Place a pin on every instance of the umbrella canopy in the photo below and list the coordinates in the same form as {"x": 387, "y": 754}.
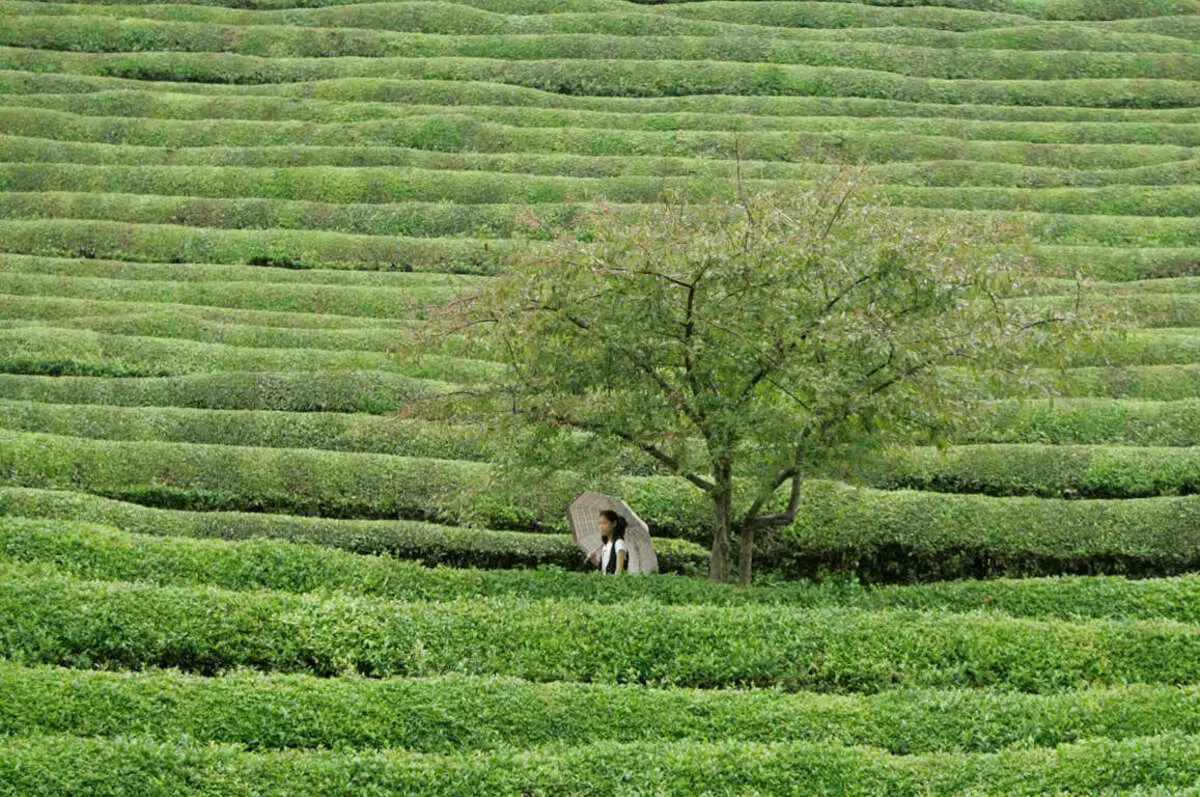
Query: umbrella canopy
{"x": 585, "y": 511}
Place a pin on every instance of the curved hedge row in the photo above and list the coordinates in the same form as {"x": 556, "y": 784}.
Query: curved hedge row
{"x": 1054, "y": 471}
{"x": 371, "y": 302}
{"x": 460, "y": 132}
{"x": 927, "y": 25}
{"x": 1054, "y": 468}
{"x": 614, "y": 77}
{"x": 298, "y": 249}
{"x": 50, "y": 619}
{"x": 903, "y": 535}
{"x": 936, "y": 172}
{"x": 1083, "y": 421}
{"x": 21, "y": 310}
{"x": 380, "y": 283}
{"x": 993, "y": 10}
{"x": 163, "y": 323}
{"x": 305, "y": 249}
{"x": 1159, "y": 346}
{"x": 1100, "y": 10}
{"x": 98, "y": 34}
{"x": 426, "y": 543}
{"x": 1150, "y": 382}
{"x": 54, "y": 765}
{"x": 470, "y": 92}
{"x": 294, "y": 391}
{"x": 330, "y": 431}
{"x": 453, "y": 714}
{"x": 434, "y": 220}
{"x": 57, "y": 350}
{"x": 91, "y": 551}
{"x": 357, "y": 118}
{"x": 392, "y": 186}
{"x": 880, "y": 535}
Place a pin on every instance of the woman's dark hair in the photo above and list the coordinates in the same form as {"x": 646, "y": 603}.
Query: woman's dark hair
{"x": 619, "y": 523}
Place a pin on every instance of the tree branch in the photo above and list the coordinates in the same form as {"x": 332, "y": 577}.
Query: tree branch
{"x": 654, "y": 451}
{"x": 680, "y": 402}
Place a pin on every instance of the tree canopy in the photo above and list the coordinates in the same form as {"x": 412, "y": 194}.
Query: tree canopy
{"x": 744, "y": 344}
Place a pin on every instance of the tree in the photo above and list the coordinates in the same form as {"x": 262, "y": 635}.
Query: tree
{"x": 744, "y": 344}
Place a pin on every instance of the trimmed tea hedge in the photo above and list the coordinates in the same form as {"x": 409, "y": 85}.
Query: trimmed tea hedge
{"x": 1032, "y": 469}
{"x": 629, "y": 78}
{"x": 1082, "y": 421}
{"x": 370, "y": 288}
{"x": 395, "y": 185}
{"x": 471, "y": 92}
{"x": 98, "y": 34}
{"x": 905, "y": 535}
{"x": 453, "y": 714}
{"x": 422, "y": 542}
{"x": 295, "y": 391}
{"x": 49, "y": 619}
{"x": 299, "y": 249}
{"x": 880, "y": 535}
{"x": 53, "y": 765}
{"x": 933, "y": 172}
{"x": 80, "y": 313}
{"x": 88, "y": 550}
{"x": 458, "y": 132}
{"x": 77, "y": 352}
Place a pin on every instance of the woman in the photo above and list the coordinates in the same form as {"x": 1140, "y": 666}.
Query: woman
{"x": 615, "y": 554}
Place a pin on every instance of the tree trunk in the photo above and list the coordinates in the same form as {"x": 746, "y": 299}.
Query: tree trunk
{"x": 746, "y": 555}
{"x": 718, "y": 566}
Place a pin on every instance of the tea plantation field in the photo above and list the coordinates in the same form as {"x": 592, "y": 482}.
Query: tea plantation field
{"x": 232, "y": 563}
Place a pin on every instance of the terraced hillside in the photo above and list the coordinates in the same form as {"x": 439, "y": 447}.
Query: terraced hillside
{"x": 216, "y": 517}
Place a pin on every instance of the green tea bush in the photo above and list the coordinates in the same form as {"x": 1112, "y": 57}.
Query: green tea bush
{"x": 464, "y": 132}
{"x": 1032, "y": 469}
{"x": 102, "y": 34}
{"x": 297, "y": 249}
{"x": 613, "y": 77}
{"x": 933, "y": 172}
{"x": 1085, "y": 421}
{"x": 50, "y": 350}
{"x": 51, "y": 765}
{"x": 426, "y": 543}
{"x": 92, "y": 551}
{"x": 294, "y": 391}
{"x": 879, "y": 535}
{"x": 50, "y": 619}
{"x": 453, "y": 714}
{"x": 391, "y": 186}
{"x": 902, "y": 535}
{"x": 387, "y": 285}
{"x": 403, "y": 91}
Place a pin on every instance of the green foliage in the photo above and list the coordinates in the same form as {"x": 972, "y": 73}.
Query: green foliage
{"x": 218, "y": 223}
{"x": 1029, "y": 469}
{"x": 57, "y": 350}
{"x": 422, "y": 542}
{"x": 50, "y": 619}
{"x": 1056, "y": 145}
{"x": 1086, "y": 421}
{"x": 891, "y": 536}
{"x": 453, "y": 714}
{"x": 101, "y": 34}
{"x": 614, "y": 77}
{"x": 294, "y": 391}
{"x": 91, "y": 551}
{"x": 52, "y": 765}
{"x": 297, "y": 249}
